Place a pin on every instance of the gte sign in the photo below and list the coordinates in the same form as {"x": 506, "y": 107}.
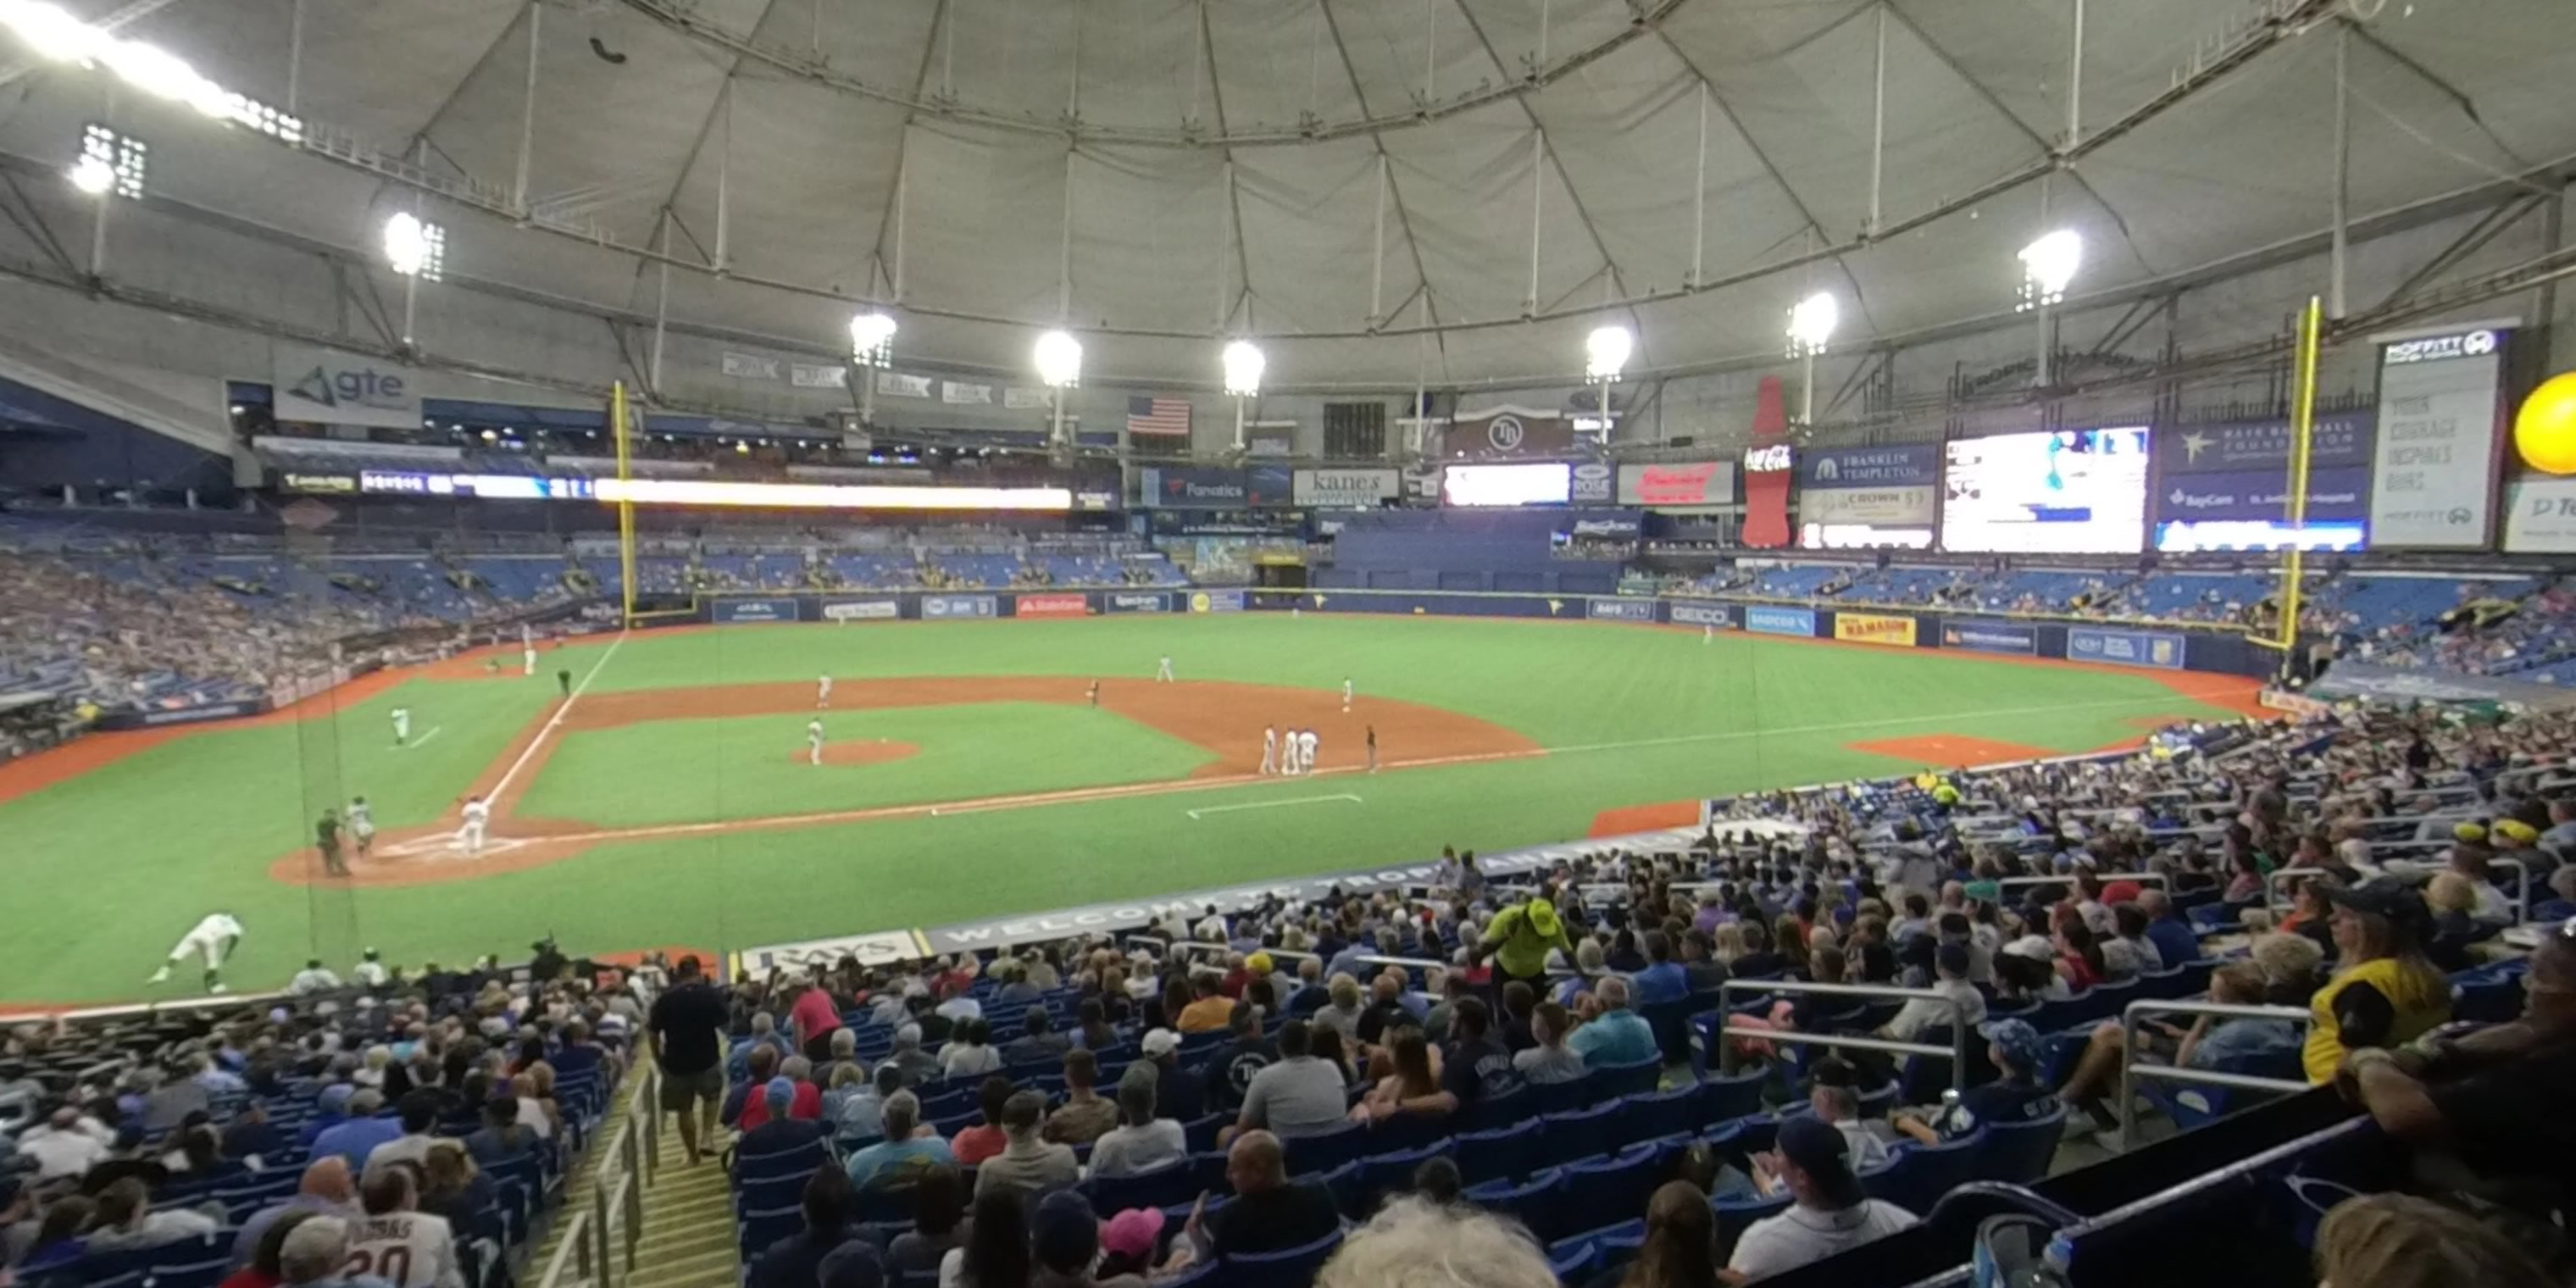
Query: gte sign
{"x": 319, "y": 385}
{"x": 358, "y": 387}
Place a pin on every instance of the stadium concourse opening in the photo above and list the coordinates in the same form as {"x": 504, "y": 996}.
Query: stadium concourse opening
{"x": 1206, "y": 714}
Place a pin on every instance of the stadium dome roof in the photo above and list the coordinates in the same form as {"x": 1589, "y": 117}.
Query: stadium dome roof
{"x": 1375, "y": 188}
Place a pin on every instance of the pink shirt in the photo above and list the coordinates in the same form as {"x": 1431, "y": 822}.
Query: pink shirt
{"x": 814, "y": 1014}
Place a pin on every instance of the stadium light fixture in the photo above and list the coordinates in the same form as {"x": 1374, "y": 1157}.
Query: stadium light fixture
{"x": 872, "y": 338}
{"x": 1059, "y": 359}
{"x": 1605, "y": 352}
{"x": 414, "y": 247}
{"x": 1243, "y": 367}
{"x": 1811, "y": 325}
{"x": 2048, "y": 267}
{"x": 55, "y": 35}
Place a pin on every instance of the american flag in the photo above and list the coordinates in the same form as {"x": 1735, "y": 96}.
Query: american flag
{"x": 1158, "y": 416}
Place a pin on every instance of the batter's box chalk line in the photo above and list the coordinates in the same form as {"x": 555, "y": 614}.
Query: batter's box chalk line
{"x": 445, "y": 848}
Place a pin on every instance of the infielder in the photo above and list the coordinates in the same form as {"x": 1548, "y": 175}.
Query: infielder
{"x": 214, "y": 937}
{"x": 823, "y": 693}
{"x": 402, "y": 725}
{"x": 478, "y": 816}
{"x": 362, "y": 824}
{"x": 1269, "y": 749}
{"x": 527, "y": 659}
{"x": 1372, "y": 749}
{"x": 1346, "y": 695}
{"x": 1163, "y": 673}
{"x": 814, "y": 740}
{"x": 1306, "y": 752}
{"x": 1095, "y": 695}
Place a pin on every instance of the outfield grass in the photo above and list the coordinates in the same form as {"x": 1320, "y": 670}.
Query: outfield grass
{"x": 112, "y": 866}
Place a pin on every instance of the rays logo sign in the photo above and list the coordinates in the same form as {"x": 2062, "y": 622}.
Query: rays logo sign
{"x": 322, "y": 387}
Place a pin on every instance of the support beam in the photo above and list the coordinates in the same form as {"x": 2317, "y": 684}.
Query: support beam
{"x": 890, "y": 218}
{"x": 2075, "y": 82}
{"x": 1377, "y": 250}
{"x": 295, "y": 60}
{"x": 527, "y": 103}
{"x": 2470, "y": 241}
{"x": 1538, "y": 215}
{"x": 1877, "y": 130}
{"x": 1064, "y": 250}
{"x": 724, "y": 180}
{"x": 1699, "y": 194}
{"x": 2341, "y": 187}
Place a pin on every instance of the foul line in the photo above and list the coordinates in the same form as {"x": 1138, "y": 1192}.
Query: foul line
{"x": 1088, "y": 795}
{"x": 424, "y": 738}
{"x": 556, "y": 721}
{"x": 1301, "y": 800}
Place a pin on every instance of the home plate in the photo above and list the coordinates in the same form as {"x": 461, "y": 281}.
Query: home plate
{"x": 1301, "y": 800}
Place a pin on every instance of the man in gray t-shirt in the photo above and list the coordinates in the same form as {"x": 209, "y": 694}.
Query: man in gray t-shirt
{"x": 1300, "y": 1095}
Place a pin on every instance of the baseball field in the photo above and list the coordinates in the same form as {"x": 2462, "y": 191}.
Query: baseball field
{"x": 672, "y": 802}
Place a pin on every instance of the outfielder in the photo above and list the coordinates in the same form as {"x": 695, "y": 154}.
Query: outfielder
{"x": 402, "y": 725}
{"x": 214, "y": 937}
{"x": 362, "y": 824}
{"x": 1269, "y": 749}
{"x": 478, "y": 816}
{"x": 1163, "y": 673}
{"x": 1346, "y": 695}
{"x": 1306, "y": 752}
{"x": 822, "y": 693}
{"x": 814, "y": 740}
{"x": 1372, "y": 749}
{"x": 527, "y": 659}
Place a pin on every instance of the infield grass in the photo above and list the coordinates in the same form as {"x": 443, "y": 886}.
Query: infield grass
{"x": 112, "y": 866}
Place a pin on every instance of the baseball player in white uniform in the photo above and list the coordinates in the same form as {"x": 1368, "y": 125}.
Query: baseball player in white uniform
{"x": 1163, "y": 673}
{"x": 527, "y": 659}
{"x": 1306, "y": 752}
{"x": 478, "y": 816}
{"x": 402, "y": 725}
{"x": 1346, "y": 695}
{"x": 362, "y": 824}
{"x": 1269, "y": 749}
{"x": 814, "y": 740}
{"x": 822, "y": 693}
{"x": 213, "y": 938}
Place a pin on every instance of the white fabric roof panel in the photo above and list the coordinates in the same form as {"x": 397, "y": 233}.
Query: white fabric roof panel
{"x": 968, "y": 100}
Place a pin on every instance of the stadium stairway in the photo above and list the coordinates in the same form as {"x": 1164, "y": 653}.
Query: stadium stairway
{"x": 687, "y": 1237}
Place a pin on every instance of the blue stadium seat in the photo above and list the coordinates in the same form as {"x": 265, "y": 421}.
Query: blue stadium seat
{"x": 1724, "y": 1097}
{"x": 1291, "y": 1268}
{"x": 1574, "y": 1260}
{"x": 1578, "y": 1133}
{"x": 1392, "y": 1173}
{"x": 1662, "y": 1113}
{"x": 2020, "y": 1152}
{"x": 759, "y": 1229}
{"x": 1923, "y": 1173}
{"x": 1520, "y": 1199}
{"x": 798, "y": 1162}
{"x": 1310, "y": 1155}
{"x": 1498, "y": 1111}
{"x": 1503, "y": 1154}
{"x": 1172, "y": 1183}
{"x": 1605, "y": 1190}
{"x": 1554, "y": 1097}
{"x": 1626, "y": 1079}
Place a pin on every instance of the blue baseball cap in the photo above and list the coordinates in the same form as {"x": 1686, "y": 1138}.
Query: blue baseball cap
{"x": 2018, "y": 1041}
{"x": 782, "y": 1091}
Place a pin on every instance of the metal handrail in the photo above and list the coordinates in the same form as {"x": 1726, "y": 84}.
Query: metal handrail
{"x": 2520, "y": 899}
{"x": 2068, "y": 879}
{"x": 2131, "y": 1070}
{"x": 1959, "y": 1028}
{"x": 575, "y": 1245}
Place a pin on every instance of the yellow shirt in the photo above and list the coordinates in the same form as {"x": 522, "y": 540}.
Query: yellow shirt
{"x": 1210, "y": 1014}
{"x": 2422, "y": 1003}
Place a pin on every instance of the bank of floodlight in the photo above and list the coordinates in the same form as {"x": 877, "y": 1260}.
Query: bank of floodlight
{"x": 1059, "y": 360}
{"x": 1811, "y": 324}
{"x": 55, "y": 35}
{"x": 1243, "y": 368}
{"x": 872, "y": 339}
{"x": 2048, "y": 267}
{"x": 414, "y": 247}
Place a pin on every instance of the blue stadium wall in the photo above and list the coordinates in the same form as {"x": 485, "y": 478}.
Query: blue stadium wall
{"x": 2146, "y": 648}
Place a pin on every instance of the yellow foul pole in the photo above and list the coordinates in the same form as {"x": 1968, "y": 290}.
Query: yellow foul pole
{"x": 2303, "y": 417}
{"x": 617, "y": 415}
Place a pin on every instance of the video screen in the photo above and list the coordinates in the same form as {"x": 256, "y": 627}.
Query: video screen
{"x": 1540, "y": 484}
{"x": 2075, "y": 491}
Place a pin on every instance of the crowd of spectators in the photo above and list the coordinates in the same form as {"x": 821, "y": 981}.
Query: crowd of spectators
{"x": 406, "y": 1129}
{"x": 1545, "y": 975}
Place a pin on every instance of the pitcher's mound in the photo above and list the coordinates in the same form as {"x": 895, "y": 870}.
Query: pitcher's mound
{"x": 865, "y": 752}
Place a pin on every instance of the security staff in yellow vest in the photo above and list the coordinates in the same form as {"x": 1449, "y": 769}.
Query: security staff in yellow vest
{"x": 2384, "y": 993}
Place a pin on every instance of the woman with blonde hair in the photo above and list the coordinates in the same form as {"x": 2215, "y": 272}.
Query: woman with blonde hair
{"x": 2401, "y": 1241}
{"x": 2385, "y": 992}
{"x": 1729, "y": 937}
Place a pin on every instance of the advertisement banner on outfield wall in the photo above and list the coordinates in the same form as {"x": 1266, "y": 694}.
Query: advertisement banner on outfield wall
{"x": 2126, "y": 648}
{"x": 1874, "y": 628}
{"x": 941, "y": 607}
{"x": 1680, "y": 485}
{"x": 1593, "y": 483}
{"x": 1880, "y": 507}
{"x": 1346, "y": 489}
{"x": 1990, "y": 637}
{"x": 1136, "y": 601}
{"x": 1862, "y": 468}
{"x": 2540, "y": 516}
{"x": 746, "y": 611}
{"x": 1703, "y": 615}
{"x": 1763, "y": 619}
{"x": 861, "y": 610}
{"x": 1051, "y": 606}
{"x": 1216, "y": 601}
{"x": 1172, "y": 487}
{"x": 320, "y": 386}
{"x": 158, "y": 717}
{"x": 1621, "y": 610}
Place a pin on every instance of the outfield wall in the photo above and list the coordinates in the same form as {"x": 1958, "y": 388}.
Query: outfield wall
{"x": 2169, "y": 647}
